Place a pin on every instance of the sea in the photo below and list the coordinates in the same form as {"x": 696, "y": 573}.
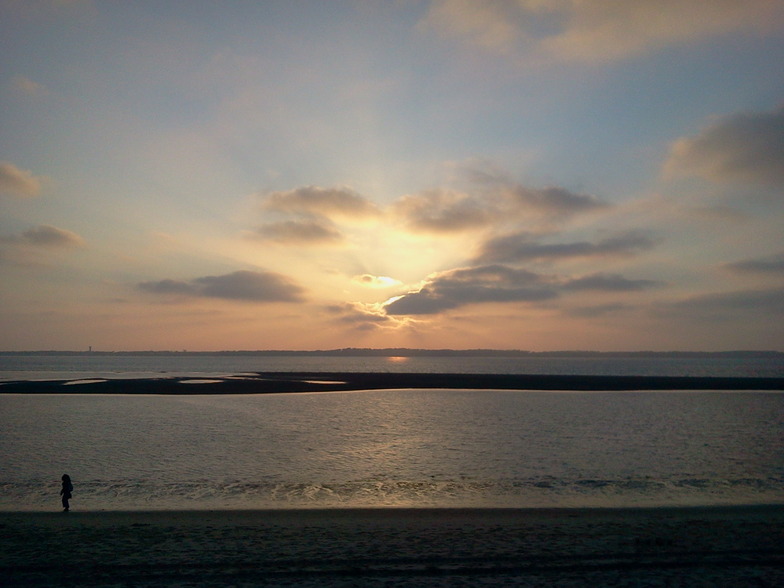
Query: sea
{"x": 389, "y": 448}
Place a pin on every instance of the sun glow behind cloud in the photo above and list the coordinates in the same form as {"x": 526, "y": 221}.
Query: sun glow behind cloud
{"x": 436, "y": 174}
{"x": 377, "y": 281}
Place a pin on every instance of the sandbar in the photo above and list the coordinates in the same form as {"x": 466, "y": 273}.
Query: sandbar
{"x": 280, "y": 382}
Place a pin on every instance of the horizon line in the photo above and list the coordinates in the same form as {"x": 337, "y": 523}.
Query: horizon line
{"x": 389, "y": 352}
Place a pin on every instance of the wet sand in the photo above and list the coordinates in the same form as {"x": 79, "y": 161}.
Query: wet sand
{"x": 716, "y": 546}
{"x": 277, "y": 382}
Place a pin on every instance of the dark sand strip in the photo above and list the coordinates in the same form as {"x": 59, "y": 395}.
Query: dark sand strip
{"x": 732, "y": 546}
{"x": 277, "y": 382}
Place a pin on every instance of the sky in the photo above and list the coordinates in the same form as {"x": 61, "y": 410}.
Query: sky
{"x": 513, "y": 174}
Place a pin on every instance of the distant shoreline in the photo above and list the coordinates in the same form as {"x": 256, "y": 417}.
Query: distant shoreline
{"x": 289, "y": 382}
{"x": 407, "y": 352}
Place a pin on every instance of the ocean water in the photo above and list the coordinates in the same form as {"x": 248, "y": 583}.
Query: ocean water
{"x": 55, "y": 367}
{"x": 389, "y": 448}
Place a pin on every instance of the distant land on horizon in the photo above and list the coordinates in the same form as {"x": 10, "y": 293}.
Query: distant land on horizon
{"x": 406, "y": 352}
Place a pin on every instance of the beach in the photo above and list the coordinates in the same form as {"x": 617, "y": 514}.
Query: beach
{"x": 400, "y": 546}
{"x": 708, "y": 546}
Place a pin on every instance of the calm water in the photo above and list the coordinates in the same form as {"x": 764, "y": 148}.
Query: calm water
{"x": 31, "y": 367}
{"x": 393, "y": 448}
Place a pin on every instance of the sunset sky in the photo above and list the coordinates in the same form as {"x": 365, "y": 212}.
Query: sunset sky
{"x": 510, "y": 174}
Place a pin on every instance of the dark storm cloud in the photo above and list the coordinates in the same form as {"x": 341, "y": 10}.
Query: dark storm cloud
{"x": 773, "y": 265}
{"x": 241, "y": 285}
{"x": 305, "y": 232}
{"x": 745, "y": 147}
{"x": 486, "y": 284}
{"x": 522, "y": 247}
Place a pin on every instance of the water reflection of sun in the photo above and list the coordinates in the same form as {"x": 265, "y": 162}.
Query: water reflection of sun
{"x": 397, "y": 359}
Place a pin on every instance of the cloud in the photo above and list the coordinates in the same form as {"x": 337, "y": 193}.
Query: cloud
{"x": 609, "y": 283}
{"x": 485, "y": 284}
{"x": 248, "y": 285}
{"x": 498, "y": 283}
{"x": 372, "y": 281}
{"x": 241, "y": 285}
{"x": 169, "y": 286}
{"x": 304, "y": 232}
{"x": 521, "y": 247}
{"x": 493, "y": 198}
{"x": 360, "y": 316}
{"x": 773, "y": 265}
{"x": 554, "y": 200}
{"x": 45, "y": 7}
{"x": 551, "y": 200}
{"x": 315, "y": 200}
{"x": 49, "y": 236}
{"x": 18, "y": 182}
{"x": 576, "y": 30}
{"x": 46, "y": 236}
{"x": 599, "y": 310}
{"x": 443, "y": 211}
{"x": 745, "y": 147}
{"x": 28, "y": 87}
{"x": 762, "y": 302}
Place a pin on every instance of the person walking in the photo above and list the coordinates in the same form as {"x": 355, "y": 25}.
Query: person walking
{"x": 66, "y": 492}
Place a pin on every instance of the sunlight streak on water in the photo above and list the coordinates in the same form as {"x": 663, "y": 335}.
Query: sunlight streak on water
{"x": 393, "y": 448}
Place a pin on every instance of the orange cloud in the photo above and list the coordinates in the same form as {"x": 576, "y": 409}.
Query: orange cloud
{"x": 372, "y": 281}
{"x": 315, "y": 200}
{"x": 18, "y": 182}
{"x": 442, "y": 211}
{"x": 46, "y": 236}
{"x": 360, "y": 316}
{"x": 491, "y": 199}
{"x": 594, "y": 31}
{"x": 306, "y": 232}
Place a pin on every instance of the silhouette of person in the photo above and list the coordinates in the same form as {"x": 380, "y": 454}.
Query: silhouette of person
{"x": 66, "y": 491}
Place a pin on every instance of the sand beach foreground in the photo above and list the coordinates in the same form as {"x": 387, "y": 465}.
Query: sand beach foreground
{"x": 705, "y": 546}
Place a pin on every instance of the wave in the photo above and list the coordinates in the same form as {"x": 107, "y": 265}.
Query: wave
{"x": 383, "y": 492}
